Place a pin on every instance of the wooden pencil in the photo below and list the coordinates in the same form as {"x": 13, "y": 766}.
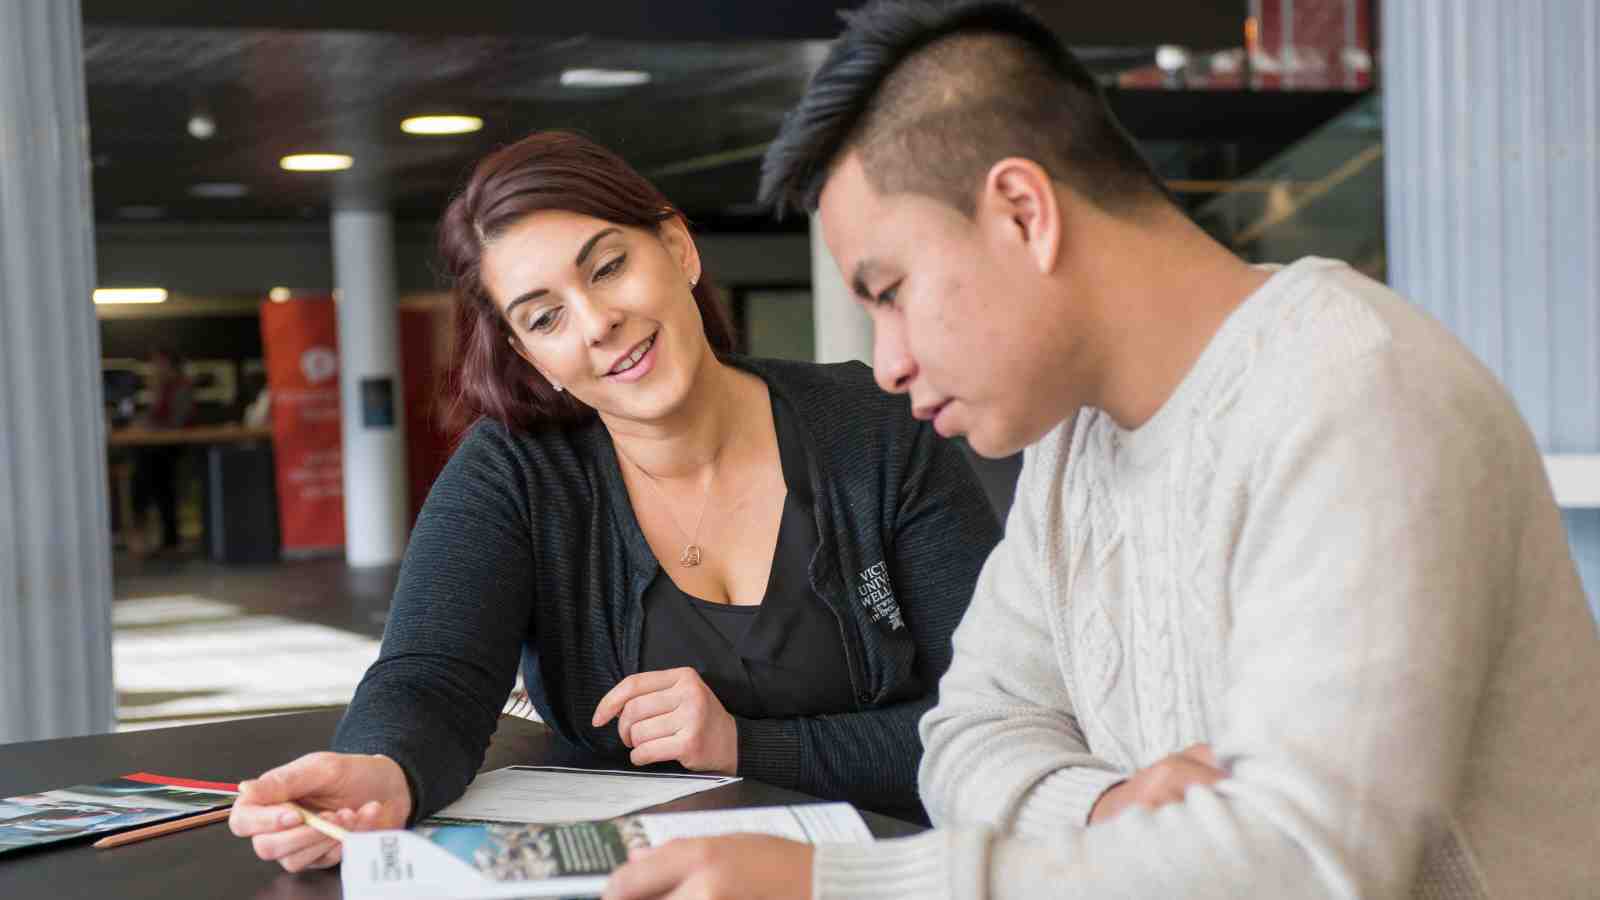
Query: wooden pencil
{"x": 150, "y": 831}
{"x": 319, "y": 823}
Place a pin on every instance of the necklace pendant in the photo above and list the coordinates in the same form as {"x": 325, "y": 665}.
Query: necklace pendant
{"x": 690, "y": 556}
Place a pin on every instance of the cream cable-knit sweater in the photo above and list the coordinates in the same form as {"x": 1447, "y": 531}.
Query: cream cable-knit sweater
{"x": 1333, "y": 554}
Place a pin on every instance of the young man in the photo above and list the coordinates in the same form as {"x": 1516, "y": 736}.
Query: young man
{"x": 1284, "y": 606}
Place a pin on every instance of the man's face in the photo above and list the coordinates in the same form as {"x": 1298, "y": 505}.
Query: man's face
{"x": 959, "y": 310}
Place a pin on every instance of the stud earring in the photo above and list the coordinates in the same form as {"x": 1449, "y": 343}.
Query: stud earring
{"x": 558, "y": 387}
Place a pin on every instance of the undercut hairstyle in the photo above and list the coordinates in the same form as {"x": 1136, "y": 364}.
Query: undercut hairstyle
{"x": 933, "y": 94}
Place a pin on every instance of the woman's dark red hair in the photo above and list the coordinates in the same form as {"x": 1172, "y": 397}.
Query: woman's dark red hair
{"x": 547, "y": 170}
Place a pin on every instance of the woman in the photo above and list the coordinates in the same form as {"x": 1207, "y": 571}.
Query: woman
{"x": 737, "y": 565}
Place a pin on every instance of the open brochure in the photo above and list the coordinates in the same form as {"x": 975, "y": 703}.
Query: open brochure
{"x": 472, "y": 861}
{"x": 116, "y": 805}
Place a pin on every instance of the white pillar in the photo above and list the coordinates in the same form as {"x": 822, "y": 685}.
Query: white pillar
{"x": 843, "y": 328}
{"x": 376, "y": 502}
{"x": 55, "y": 537}
{"x": 1492, "y": 181}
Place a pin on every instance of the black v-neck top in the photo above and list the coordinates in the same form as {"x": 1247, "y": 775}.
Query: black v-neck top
{"x": 783, "y": 657}
{"x": 527, "y": 552}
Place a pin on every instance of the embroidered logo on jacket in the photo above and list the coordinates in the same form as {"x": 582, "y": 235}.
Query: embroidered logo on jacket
{"x": 877, "y": 595}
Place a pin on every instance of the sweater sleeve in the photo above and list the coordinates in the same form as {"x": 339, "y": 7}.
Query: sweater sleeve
{"x": 943, "y": 528}
{"x": 1365, "y": 589}
{"x": 456, "y": 626}
{"x": 1004, "y": 748}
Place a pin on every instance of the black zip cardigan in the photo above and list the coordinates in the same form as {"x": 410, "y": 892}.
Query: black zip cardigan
{"x": 528, "y": 548}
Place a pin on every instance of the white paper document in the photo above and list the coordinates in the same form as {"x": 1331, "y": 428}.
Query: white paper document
{"x": 482, "y": 861}
{"x": 554, "y": 794}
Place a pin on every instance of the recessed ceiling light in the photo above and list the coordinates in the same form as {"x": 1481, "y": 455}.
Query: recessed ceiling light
{"x": 279, "y": 294}
{"x": 1170, "y": 58}
{"x": 603, "y": 78}
{"x": 219, "y": 190}
{"x": 141, "y": 212}
{"x": 130, "y": 295}
{"x": 202, "y": 127}
{"x": 441, "y": 124}
{"x": 316, "y": 162}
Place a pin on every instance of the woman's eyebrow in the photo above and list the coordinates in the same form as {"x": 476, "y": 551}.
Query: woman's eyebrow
{"x": 583, "y": 254}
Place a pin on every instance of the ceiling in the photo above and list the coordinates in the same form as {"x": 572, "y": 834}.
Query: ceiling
{"x": 1216, "y": 23}
{"x": 339, "y": 75}
{"x": 272, "y": 93}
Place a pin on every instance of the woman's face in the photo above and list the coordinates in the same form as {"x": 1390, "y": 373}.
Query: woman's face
{"x": 603, "y": 311}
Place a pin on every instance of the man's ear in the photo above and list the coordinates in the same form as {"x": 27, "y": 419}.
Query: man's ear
{"x": 1019, "y": 197}
{"x": 674, "y": 233}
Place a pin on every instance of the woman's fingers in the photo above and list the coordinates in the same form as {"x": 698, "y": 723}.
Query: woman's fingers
{"x": 332, "y": 858}
{"x": 658, "y": 750}
{"x": 653, "y": 729}
{"x": 311, "y": 773}
{"x": 628, "y": 688}
{"x": 249, "y": 820}
{"x": 301, "y": 847}
{"x": 308, "y": 857}
{"x": 642, "y": 708}
{"x": 282, "y": 844}
{"x": 368, "y": 818}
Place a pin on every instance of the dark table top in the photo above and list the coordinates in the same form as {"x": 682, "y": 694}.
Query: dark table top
{"x": 210, "y": 861}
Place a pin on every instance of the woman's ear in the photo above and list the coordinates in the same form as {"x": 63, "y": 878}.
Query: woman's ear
{"x": 1019, "y": 198}
{"x": 675, "y": 235}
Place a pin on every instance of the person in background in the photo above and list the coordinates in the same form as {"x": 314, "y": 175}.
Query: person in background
{"x": 1284, "y": 607}
{"x": 736, "y": 565}
{"x": 156, "y": 467}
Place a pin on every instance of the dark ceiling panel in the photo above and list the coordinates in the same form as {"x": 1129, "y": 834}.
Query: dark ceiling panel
{"x": 1205, "y": 25}
{"x": 698, "y": 128}
{"x": 275, "y": 92}
{"x": 652, "y": 20}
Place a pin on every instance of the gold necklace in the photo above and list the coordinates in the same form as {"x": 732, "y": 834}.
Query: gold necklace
{"x": 691, "y": 555}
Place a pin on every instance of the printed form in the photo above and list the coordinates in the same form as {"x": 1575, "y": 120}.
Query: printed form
{"x": 543, "y": 794}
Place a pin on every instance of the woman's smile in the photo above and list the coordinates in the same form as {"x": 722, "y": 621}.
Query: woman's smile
{"x": 636, "y": 363}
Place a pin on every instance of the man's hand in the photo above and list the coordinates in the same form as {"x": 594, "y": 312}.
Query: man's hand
{"x": 739, "y": 866}
{"x": 356, "y": 792}
{"x": 1159, "y": 784}
{"x": 672, "y": 715}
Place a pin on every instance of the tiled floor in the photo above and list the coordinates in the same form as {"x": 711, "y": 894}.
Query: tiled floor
{"x": 194, "y": 641}
{"x": 322, "y": 591}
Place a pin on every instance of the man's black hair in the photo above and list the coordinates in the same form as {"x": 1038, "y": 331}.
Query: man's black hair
{"x": 932, "y": 94}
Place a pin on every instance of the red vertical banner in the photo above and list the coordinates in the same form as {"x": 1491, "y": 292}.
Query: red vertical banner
{"x": 426, "y": 330}
{"x": 300, "y": 346}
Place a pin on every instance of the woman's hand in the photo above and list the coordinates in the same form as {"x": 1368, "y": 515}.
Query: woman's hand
{"x": 672, "y": 715}
{"x": 1158, "y": 784}
{"x": 356, "y": 792}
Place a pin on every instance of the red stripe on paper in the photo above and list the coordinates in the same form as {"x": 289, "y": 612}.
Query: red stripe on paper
{"x": 147, "y": 778}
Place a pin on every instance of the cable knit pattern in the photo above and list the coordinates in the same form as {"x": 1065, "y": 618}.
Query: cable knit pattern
{"x": 1332, "y": 555}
